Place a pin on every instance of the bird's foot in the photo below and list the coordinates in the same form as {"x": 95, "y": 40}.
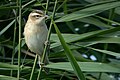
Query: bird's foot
{"x": 47, "y": 43}
{"x": 41, "y": 64}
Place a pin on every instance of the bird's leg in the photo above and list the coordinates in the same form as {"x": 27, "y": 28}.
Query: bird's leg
{"x": 47, "y": 43}
{"x": 39, "y": 62}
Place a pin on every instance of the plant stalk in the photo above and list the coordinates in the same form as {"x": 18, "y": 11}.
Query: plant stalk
{"x": 48, "y": 37}
{"x": 19, "y": 47}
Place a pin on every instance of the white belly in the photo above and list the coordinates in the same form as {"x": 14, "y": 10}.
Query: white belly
{"x": 35, "y": 39}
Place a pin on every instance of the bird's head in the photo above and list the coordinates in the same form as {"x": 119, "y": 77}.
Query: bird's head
{"x": 37, "y": 17}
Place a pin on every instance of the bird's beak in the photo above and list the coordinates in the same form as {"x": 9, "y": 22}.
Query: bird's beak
{"x": 46, "y": 16}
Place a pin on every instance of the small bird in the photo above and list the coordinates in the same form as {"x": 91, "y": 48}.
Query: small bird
{"x": 35, "y": 33}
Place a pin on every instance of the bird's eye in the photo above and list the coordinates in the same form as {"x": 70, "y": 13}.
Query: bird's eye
{"x": 37, "y": 16}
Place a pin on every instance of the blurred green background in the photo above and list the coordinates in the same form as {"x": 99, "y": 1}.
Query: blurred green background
{"x": 90, "y": 28}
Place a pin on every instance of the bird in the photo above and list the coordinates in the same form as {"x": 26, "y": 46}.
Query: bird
{"x": 35, "y": 33}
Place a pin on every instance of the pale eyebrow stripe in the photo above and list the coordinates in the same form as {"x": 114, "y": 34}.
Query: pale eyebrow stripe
{"x": 33, "y": 14}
